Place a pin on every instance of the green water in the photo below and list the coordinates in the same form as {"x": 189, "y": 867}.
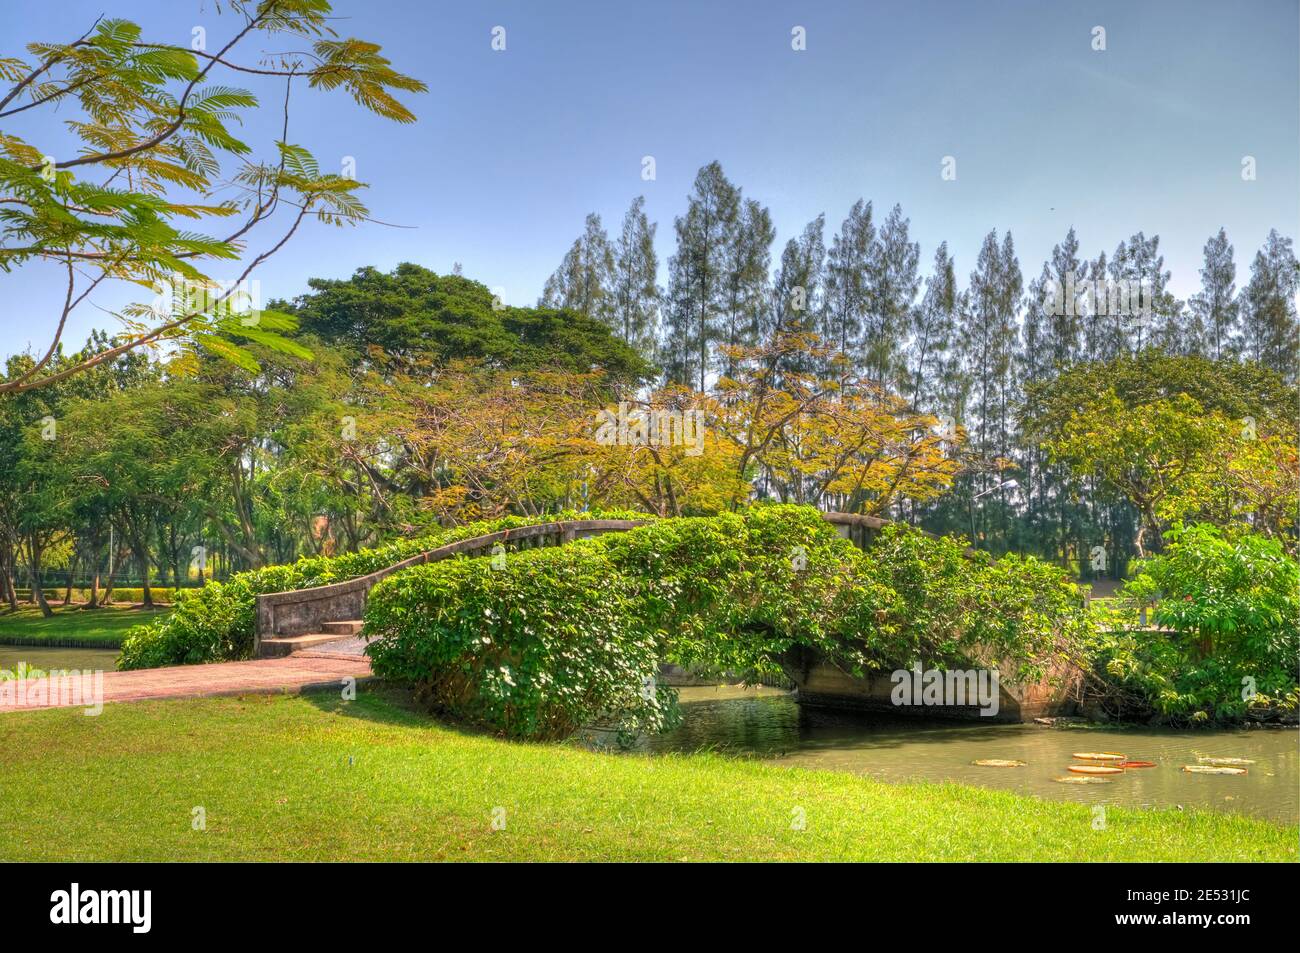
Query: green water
{"x": 767, "y": 723}
{"x": 48, "y": 659}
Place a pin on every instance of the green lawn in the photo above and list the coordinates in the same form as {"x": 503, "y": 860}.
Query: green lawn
{"x": 105, "y": 626}
{"x": 315, "y": 778}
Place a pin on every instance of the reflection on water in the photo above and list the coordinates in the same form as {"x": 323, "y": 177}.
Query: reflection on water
{"x": 767, "y": 723}
{"x": 46, "y": 659}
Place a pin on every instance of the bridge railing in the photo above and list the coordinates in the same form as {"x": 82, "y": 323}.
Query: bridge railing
{"x": 301, "y": 611}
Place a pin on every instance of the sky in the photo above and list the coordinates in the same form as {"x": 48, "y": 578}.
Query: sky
{"x": 513, "y": 148}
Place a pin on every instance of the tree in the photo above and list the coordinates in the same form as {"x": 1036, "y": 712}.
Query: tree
{"x": 810, "y": 441}
{"x": 934, "y": 325}
{"x": 799, "y": 299}
{"x": 583, "y": 282}
{"x": 635, "y": 289}
{"x": 988, "y": 341}
{"x": 697, "y": 293}
{"x": 747, "y": 260}
{"x": 154, "y": 131}
{"x": 848, "y": 282}
{"x": 1270, "y": 331}
{"x": 1216, "y": 309}
{"x": 1234, "y": 464}
{"x": 1141, "y": 310}
{"x": 412, "y": 314}
{"x": 1147, "y": 453}
{"x": 894, "y": 282}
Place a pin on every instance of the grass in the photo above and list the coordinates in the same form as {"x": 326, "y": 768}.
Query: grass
{"x": 316, "y": 778}
{"x": 99, "y": 627}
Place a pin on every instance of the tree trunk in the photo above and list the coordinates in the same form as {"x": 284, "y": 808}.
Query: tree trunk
{"x": 145, "y": 592}
{"x": 34, "y": 573}
{"x": 72, "y": 572}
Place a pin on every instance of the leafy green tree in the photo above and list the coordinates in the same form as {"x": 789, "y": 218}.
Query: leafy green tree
{"x": 412, "y": 314}
{"x": 746, "y": 283}
{"x": 1229, "y": 605}
{"x": 153, "y": 145}
{"x": 799, "y": 293}
{"x": 934, "y": 326}
{"x": 848, "y": 282}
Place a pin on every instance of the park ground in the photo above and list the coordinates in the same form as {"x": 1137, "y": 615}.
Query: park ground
{"x": 104, "y": 627}
{"x": 317, "y": 777}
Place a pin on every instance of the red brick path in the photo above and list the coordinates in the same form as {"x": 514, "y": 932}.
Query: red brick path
{"x": 262, "y": 676}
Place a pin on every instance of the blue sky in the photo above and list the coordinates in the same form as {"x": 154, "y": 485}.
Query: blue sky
{"x": 513, "y": 148}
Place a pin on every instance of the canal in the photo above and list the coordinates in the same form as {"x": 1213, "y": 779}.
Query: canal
{"x": 48, "y": 658}
{"x": 767, "y": 723}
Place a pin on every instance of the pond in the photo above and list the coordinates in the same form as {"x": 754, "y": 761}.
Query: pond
{"x": 767, "y": 723}
{"x": 49, "y": 658}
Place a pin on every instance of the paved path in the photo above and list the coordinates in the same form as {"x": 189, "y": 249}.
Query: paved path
{"x": 262, "y": 676}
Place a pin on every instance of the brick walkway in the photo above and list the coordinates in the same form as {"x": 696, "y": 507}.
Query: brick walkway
{"x": 262, "y": 676}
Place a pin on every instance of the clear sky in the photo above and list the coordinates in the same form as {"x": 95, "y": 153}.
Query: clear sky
{"x": 513, "y": 148}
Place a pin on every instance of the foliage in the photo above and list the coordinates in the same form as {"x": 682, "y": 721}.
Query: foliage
{"x": 153, "y": 135}
{"x": 1175, "y": 438}
{"x": 735, "y": 591}
{"x": 1230, "y": 601}
{"x": 535, "y": 649}
{"x": 952, "y": 606}
{"x": 216, "y": 623}
{"x": 411, "y": 315}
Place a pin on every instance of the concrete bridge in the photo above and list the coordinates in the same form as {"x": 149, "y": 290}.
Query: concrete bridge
{"x": 325, "y": 621}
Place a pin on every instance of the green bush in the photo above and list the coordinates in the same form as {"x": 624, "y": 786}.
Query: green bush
{"x": 1232, "y": 601}
{"x": 121, "y": 595}
{"x": 555, "y": 639}
{"x": 952, "y": 608}
{"x": 215, "y": 623}
{"x": 535, "y": 648}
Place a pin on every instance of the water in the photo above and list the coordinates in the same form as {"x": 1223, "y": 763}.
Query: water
{"x": 47, "y": 658}
{"x": 766, "y": 723}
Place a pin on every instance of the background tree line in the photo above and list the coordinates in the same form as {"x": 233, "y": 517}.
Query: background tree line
{"x": 837, "y": 376}
{"x": 983, "y": 358}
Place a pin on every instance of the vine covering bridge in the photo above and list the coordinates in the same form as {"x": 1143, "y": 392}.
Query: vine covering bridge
{"x": 325, "y": 622}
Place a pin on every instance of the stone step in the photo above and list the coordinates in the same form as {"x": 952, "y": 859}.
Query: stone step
{"x": 352, "y": 627}
{"x": 283, "y": 645}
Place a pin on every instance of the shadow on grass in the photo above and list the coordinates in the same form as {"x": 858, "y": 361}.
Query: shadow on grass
{"x": 385, "y": 703}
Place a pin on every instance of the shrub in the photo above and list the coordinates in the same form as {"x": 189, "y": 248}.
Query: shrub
{"x": 215, "y": 623}
{"x": 952, "y": 607}
{"x": 562, "y": 637}
{"x": 121, "y": 595}
{"x": 535, "y": 648}
{"x": 1232, "y": 602}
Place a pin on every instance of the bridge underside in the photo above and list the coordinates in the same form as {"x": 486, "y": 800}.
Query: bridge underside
{"x": 821, "y": 684}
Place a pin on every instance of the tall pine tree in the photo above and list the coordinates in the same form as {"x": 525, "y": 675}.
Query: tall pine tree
{"x": 1215, "y": 309}
{"x": 1270, "y": 332}
{"x": 635, "y": 290}
{"x": 697, "y": 292}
